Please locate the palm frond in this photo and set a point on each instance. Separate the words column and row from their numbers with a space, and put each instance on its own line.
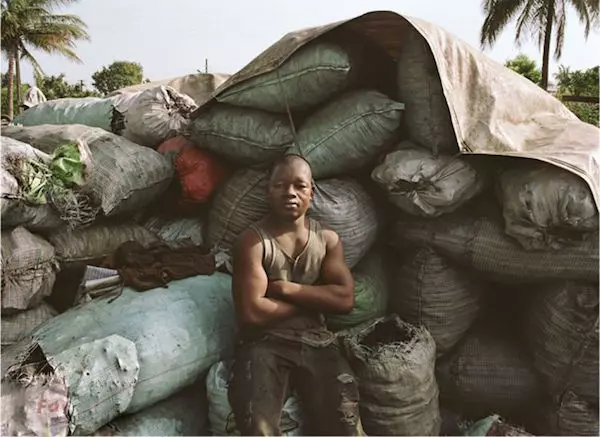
column 560, row 18
column 498, row 14
column 588, row 12
column 26, row 54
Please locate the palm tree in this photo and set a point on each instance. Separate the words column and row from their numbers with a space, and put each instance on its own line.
column 31, row 25
column 539, row 18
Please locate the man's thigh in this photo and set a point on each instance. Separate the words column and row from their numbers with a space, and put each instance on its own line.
column 329, row 392
column 259, row 383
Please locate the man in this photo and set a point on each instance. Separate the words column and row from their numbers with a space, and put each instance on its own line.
column 287, row 271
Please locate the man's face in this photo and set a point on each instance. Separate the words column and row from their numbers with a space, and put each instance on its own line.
column 290, row 189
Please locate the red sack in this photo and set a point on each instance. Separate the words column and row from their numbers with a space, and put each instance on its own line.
column 199, row 171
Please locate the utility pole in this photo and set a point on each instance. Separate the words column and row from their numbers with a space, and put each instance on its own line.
column 206, row 65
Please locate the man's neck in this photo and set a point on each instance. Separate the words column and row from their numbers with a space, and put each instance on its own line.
column 291, row 226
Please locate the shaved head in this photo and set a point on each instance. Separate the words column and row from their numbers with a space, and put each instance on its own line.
column 296, row 161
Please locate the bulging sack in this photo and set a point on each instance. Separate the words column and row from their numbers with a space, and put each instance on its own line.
column 429, row 291
column 311, row 76
column 183, row 413
column 89, row 111
column 488, row 371
column 371, row 285
column 478, row 242
column 28, row 270
column 116, row 358
column 18, row 325
column 424, row 184
column 220, row 416
column 427, row 118
column 546, row 207
column 394, row 363
column 348, row 133
column 152, row 116
column 97, row 241
column 124, row 177
column 341, row 204
column 563, row 335
column 199, row 171
column 346, row 207
column 245, row 136
column 241, row 201
column 571, row 415
column 16, row 210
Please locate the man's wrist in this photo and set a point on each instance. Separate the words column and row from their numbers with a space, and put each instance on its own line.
column 290, row 289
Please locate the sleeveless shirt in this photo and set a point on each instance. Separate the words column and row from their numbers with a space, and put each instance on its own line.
column 308, row 326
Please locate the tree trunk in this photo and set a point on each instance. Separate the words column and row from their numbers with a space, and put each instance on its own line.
column 547, row 40
column 19, row 90
column 11, row 85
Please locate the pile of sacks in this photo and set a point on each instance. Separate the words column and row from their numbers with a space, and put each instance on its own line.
column 476, row 280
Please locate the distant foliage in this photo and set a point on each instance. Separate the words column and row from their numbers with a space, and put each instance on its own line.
column 580, row 83
column 56, row 87
column 118, row 75
column 525, row 66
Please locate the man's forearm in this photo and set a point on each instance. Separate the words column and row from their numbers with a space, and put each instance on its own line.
column 326, row 298
column 268, row 311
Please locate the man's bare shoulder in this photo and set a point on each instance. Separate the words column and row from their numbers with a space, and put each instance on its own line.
column 330, row 237
column 248, row 243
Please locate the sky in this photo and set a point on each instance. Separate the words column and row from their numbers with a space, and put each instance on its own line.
column 172, row 38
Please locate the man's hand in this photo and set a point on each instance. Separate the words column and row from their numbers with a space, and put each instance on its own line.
column 280, row 289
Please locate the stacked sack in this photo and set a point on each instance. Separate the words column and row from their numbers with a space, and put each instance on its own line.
column 458, row 247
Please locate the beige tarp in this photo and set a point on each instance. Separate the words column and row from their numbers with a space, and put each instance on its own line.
column 198, row 86
column 494, row 111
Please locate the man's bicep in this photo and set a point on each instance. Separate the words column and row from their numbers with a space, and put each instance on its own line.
column 335, row 270
column 249, row 277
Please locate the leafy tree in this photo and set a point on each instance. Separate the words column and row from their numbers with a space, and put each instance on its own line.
column 28, row 25
column 540, row 19
column 117, row 75
column 525, row 66
column 580, row 83
column 56, row 87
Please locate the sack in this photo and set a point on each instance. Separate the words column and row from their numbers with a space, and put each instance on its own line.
column 197, row 86
column 479, row 243
column 426, row 185
column 220, row 416
column 563, row 335
column 371, row 287
column 245, row 136
column 97, row 241
column 183, row 413
column 28, row 270
column 89, row 111
column 124, row 178
column 488, row 372
column 151, row 116
column 572, row 415
column 545, row 207
column 429, row 291
column 347, row 133
column 17, row 326
column 345, row 206
column 123, row 355
column 34, row 406
column 311, row 76
column 394, row 363
column 199, row 171
column 241, row 201
column 15, row 209
column 427, row 119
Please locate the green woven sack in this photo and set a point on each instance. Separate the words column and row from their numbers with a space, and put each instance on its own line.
column 245, row 136
column 90, row 111
column 370, row 293
column 348, row 133
column 309, row 77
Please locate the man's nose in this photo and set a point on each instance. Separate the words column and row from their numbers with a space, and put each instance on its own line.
column 290, row 191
